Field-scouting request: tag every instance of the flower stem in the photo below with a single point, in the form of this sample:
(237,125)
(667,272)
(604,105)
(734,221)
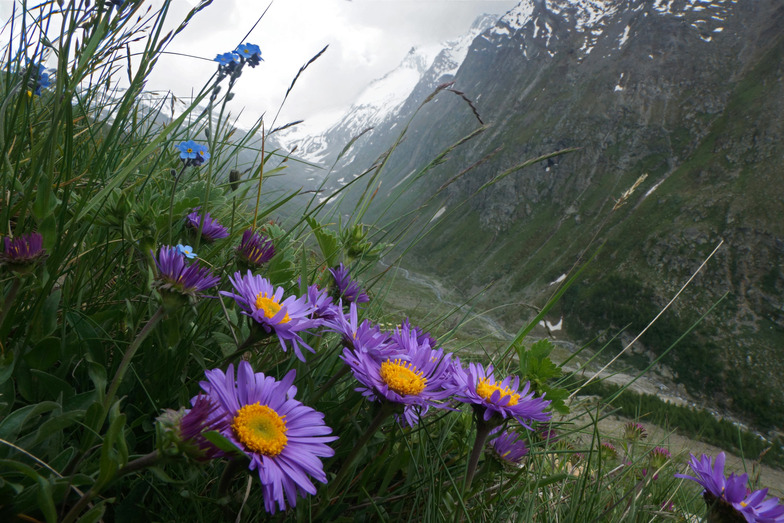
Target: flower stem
(148,460)
(483,429)
(171,200)
(228,474)
(386,410)
(329,384)
(143,462)
(9,299)
(126,361)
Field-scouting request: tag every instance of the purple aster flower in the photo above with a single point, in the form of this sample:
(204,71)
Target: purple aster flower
(192,153)
(283,438)
(176,276)
(186,250)
(503,399)
(509,447)
(346,288)
(422,337)
(413,376)
(727,498)
(211,231)
(22,253)
(255,250)
(321,303)
(286,318)
(363,337)
(185,428)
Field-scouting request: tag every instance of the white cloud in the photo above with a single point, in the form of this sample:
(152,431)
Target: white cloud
(366,38)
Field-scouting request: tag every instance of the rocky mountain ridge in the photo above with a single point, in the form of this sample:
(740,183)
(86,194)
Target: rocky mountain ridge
(689,93)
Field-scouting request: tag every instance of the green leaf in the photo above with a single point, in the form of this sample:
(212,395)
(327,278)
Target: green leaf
(97,373)
(7,364)
(45,353)
(51,387)
(47,317)
(557,398)
(112,458)
(45,501)
(328,241)
(222,442)
(14,422)
(541,349)
(96,513)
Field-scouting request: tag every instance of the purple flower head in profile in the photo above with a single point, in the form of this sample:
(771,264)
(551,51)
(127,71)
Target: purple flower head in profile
(22,253)
(633,431)
(658,457)
(284,439)
(185,428)
(192,153)
(255,250)
(346,288)
(249,53)
(607,451)
(509,447)
(177,276)
(422,337)
(502,399)
(211,230)
(729,498)
(413,376)
(363,337)
(321,303)
(284,317)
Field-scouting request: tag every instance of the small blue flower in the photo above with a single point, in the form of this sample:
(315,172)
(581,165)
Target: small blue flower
(250,54)
(226,59)
(202,152)
(186,250)
(188,150)
(248,51)
(39,79)
(193,153)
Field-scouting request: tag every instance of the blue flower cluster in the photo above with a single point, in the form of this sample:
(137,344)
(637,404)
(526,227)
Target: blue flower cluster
(244,54)
(192,153)
(39,79)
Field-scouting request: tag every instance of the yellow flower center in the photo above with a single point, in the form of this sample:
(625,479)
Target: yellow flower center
(260,429)
(743,503)
(190,150)
(270,307)
(402,377)
(486,389)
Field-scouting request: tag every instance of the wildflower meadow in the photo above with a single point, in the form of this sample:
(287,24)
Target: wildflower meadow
(172,350)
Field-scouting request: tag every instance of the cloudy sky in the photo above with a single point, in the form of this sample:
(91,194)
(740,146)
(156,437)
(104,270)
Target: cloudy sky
(366,39)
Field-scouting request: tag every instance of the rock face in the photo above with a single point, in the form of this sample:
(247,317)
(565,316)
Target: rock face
(687,92)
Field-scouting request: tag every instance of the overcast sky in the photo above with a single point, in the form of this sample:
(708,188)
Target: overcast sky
(366,39)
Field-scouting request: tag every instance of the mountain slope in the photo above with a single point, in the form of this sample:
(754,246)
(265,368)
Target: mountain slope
(688,92)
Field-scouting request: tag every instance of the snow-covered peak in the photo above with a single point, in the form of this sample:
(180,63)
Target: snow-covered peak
(455,51)
(384,97)
(593,18)
(394,87)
